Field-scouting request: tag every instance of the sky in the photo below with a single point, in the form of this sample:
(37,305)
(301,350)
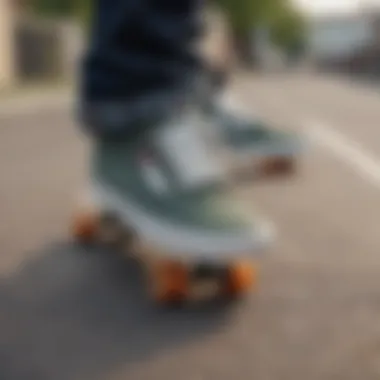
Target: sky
(327,6)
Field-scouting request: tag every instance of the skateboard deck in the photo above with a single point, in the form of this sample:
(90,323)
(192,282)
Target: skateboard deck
(171,278)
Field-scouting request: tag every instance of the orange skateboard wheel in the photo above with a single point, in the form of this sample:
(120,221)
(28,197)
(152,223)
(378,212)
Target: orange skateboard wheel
(240,278)
(171,283)
(85,227)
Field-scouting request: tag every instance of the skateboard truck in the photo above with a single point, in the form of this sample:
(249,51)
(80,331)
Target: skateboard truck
(171,282)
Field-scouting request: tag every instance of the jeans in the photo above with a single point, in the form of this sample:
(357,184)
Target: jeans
(141,64)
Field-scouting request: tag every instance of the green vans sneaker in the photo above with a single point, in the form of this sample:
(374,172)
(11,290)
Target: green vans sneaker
(248,136)
(169,190)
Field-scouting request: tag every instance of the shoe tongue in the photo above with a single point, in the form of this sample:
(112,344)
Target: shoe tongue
(183,143)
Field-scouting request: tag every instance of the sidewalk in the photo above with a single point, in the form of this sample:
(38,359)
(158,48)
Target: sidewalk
(35,98)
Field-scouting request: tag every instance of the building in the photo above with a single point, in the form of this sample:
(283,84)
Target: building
(7,66)
(346,41)
(36,49)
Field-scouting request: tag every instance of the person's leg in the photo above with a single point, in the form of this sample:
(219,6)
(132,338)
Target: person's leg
(139,64)
(150,165)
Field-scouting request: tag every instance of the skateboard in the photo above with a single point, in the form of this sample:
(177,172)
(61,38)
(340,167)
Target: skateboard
(171,279)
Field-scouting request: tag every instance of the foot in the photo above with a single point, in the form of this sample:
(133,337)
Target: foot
(172,193)
(246,136)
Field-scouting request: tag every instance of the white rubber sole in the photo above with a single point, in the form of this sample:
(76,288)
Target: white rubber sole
(180,243)
(267,151)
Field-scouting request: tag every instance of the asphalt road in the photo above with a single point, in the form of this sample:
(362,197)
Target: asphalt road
(68,314)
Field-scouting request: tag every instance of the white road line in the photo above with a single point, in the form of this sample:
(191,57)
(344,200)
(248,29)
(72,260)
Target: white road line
(348,151)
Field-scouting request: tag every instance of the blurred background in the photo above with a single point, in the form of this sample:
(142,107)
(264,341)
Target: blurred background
(42,40)
(308,65)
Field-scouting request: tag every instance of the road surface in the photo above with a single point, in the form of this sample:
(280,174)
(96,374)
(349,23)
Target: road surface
(68,314)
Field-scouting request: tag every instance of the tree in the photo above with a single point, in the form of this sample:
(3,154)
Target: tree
(61,8)
(83,10)
(242,14)
(80,9)
(288,28)
(285,23)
